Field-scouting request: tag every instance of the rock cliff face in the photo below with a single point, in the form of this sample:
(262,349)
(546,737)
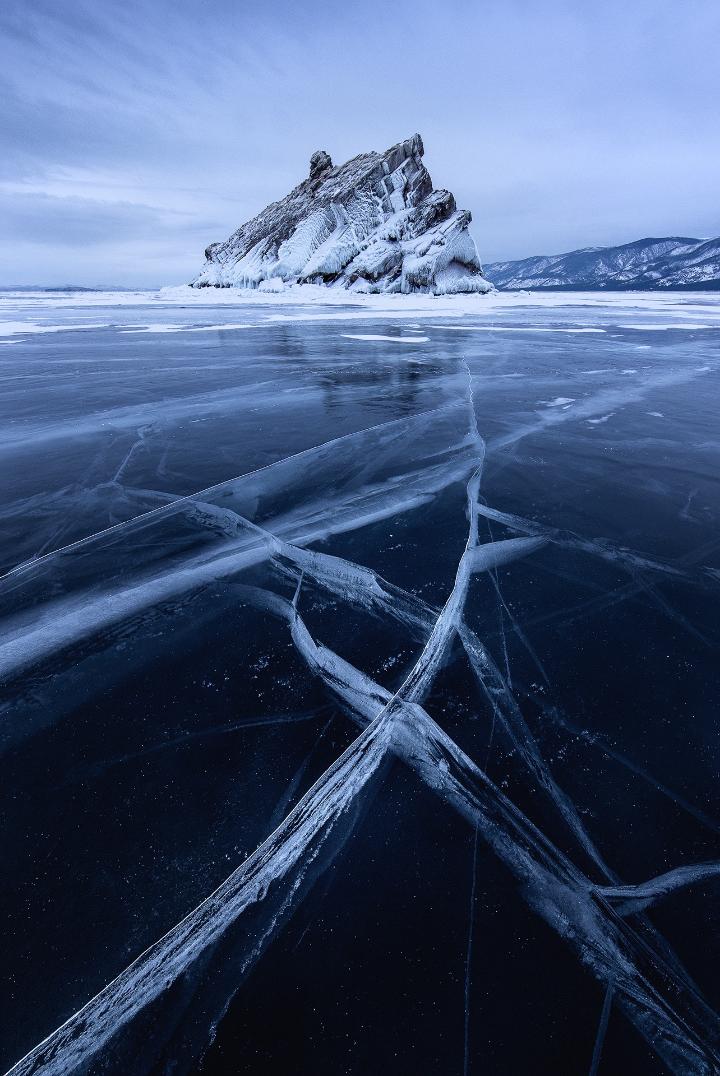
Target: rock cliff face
(374,224)
(646,264)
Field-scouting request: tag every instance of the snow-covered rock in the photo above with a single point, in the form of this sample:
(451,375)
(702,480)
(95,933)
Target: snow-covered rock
(673,262)
(374,224)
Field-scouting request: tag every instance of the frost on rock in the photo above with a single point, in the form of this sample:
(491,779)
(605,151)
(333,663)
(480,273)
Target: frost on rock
(374,224)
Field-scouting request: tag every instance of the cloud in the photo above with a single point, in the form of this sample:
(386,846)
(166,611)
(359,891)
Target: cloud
(80,222)
(557,125)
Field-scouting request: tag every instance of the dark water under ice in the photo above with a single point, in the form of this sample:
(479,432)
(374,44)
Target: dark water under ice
(162,716)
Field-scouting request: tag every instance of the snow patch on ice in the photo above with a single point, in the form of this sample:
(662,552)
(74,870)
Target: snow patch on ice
(391,339)
(517,329)
(176,328)
(13,328)
(603,418)
(662,328)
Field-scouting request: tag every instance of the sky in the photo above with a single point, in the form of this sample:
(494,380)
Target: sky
(135,132)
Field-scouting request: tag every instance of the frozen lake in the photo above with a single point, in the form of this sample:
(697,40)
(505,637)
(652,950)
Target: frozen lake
(395,619)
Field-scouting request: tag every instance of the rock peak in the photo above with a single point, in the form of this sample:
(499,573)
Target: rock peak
(319,162)
(373,224)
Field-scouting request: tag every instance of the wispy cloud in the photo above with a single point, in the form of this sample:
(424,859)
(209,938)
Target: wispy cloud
(74,222)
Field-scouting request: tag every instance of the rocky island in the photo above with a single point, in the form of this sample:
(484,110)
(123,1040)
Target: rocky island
(373,224)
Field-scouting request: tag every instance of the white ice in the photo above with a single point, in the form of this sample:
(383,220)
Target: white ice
(391,339)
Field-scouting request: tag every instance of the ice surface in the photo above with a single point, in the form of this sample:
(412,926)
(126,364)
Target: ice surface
(513,600)
(66,620)
(397,723)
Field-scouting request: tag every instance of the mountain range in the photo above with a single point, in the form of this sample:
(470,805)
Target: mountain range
(675,262)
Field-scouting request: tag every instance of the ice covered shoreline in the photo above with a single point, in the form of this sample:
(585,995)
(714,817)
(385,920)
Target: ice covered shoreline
(318,295)
(186,309)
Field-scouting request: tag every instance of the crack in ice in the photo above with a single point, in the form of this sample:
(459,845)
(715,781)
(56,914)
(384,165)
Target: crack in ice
(632,960)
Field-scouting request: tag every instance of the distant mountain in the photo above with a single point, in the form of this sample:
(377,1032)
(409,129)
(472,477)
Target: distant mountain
(675,262)
(373,224)
(51,288)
